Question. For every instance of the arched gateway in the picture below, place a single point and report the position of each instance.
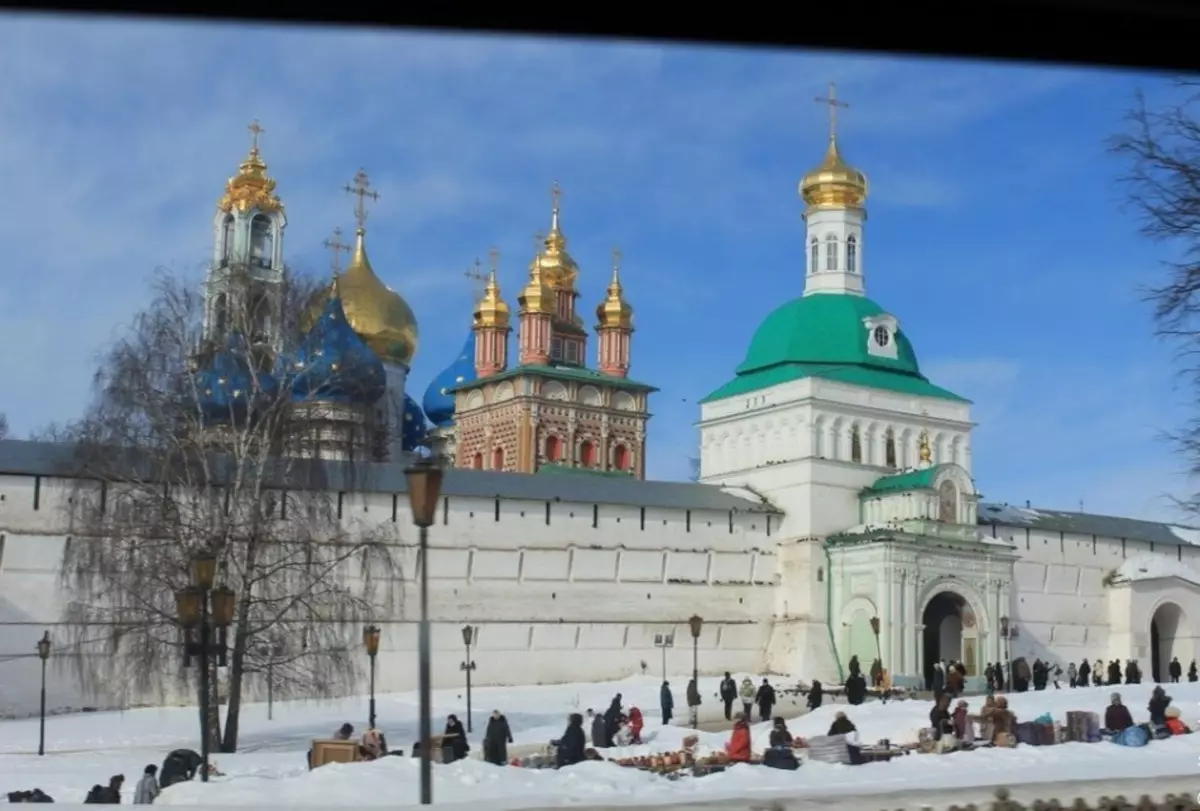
(1170, 637)
(951, 633)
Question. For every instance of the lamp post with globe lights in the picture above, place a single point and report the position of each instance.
(696, 625)
(205, 615)
(43, 652)
(371, 643)
(469, 635)
(424, 485)
(878, 649)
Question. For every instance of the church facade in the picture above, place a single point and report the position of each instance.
(836, 513)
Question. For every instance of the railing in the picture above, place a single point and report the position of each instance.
(1172, 802)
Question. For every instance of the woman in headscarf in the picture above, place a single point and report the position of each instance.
(455, 741)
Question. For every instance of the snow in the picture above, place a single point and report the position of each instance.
(1189, 535)
(87, 748)
(1006, 514)
(1148, 567)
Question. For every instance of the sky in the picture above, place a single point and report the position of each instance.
(997, 234)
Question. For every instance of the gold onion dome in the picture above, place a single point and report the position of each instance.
(378, 314)
(492, 310)
(835, 183)
(537, 297)
(559, 268)
(615, 311)
(251, 187)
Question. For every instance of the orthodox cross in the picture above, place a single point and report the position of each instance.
(555, 195)
(360, 187)
(834, 103)
(337, 247)
(478, 278)
(255, 131)
(617, 258)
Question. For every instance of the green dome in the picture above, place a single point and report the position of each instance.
(824, 328)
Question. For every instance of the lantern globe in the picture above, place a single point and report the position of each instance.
(43, 647)
(371, 640)
(468, 634)
(696, 623)
(224, 606)
(875, 625)
(204, 570)
(187, 604)
(424, 487)
(1004, 626)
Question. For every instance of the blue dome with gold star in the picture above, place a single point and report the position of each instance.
(228, 384)
(333, 364)
(439, 400)
(414, 430)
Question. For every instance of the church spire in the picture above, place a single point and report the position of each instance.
(834, 194)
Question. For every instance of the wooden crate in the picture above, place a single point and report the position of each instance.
(333, 751)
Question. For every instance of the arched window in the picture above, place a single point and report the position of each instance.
(948, 502)
(498, 459)
(831, 252)
(553, 448)
(477, 462)
(889, 452)
(855, 445)
(587, 454)
(851, 254)
(814, 256)
(621, 458)
(227, 237)
(261, 242)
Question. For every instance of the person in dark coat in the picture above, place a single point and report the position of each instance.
(765, 700)
(1085, 671)
(1159, 701)
(693, 699)
(455, 744)
(939, 718)
(496, 739)
(1175, 669)
(666, 702)
(856, 689)
(111, 794)
(1117, 717)
(729, 693)
(1114, 672)
(179, 766)
(854, 666)
(597, 729)
(1193, 675)
(573, 743)
(612, 720)
(816, 695)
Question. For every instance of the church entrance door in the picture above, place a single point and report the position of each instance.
(944, 619)
(1170, 637)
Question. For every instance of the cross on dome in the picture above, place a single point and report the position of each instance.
(337, 247)
(360, 187)
(834, 103)
(255, 131)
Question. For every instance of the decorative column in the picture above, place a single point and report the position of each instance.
(920, 649)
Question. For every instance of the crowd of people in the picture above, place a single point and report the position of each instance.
(1041, 675)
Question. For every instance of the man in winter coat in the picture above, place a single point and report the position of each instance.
(1175, 669)
(147, 788)
(729, 692)
(765, 699)
(496, 739)
(597, 728)
(612, 720)
(747, 694)
(1192, 673)
(111, 794)
(666, 702)
(1072, 674)
(1085, 673)
(856, 689)
(693, 700)
(571, 746)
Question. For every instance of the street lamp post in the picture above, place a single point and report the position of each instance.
(271, 652)
(467, 666)
(205, 633)
(43, 652)
(1005, 634)
(878, 650)
(662, 642)
(424, 485)
(696, 624)
(371, 642)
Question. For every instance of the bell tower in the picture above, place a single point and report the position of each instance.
(244, 289)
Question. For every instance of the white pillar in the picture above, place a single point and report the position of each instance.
(920, 649)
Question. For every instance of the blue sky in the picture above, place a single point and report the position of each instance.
(996, 232)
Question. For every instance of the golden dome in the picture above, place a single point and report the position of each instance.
(835, 183)
(380, 316)
(615, 311)
(251, 187)
(537, 297)
(558, 267)
(491, 310)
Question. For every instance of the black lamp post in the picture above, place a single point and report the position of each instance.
(696, 624)
(878, 650)
(1005, 634)
(424, 486)
(467, 666)
(371, 642)
(205, 632)
(43, 652)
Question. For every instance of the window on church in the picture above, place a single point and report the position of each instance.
(948, 502)
(498, 459)
(259, 316)
(587, 454)
(261, 242)
(553, 448)
(855, 445)
(851, 254)
(477, 462)
(227, 237)
(621, 457)
(556, 349)
(219, 315)
(890, 449)
(814, 258)
(831, 252)
(572, 352)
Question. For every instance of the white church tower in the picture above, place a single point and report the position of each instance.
(247, 274)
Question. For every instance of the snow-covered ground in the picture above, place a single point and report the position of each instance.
(87, 748)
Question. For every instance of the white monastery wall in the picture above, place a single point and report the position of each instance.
(559, 591)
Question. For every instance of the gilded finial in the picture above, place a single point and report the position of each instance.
(492, 311)
(926, 453)
(834, 183)
(555, 241)
(834, 103)
(616, 259)
(360, 187)
(615, 311)
(255, 131)
(337, 248)
(251, 187)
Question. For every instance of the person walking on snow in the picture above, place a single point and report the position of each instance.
(747, 694)
(765, 699)
(597, 728)
(693, 700)
(729, 692)
(1175, 669)
(666, 702)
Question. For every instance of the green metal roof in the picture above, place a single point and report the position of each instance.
(560, 470)
(575, 374)
(902, 482)
(824, 336)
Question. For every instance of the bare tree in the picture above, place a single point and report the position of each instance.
(202, 439)
(1161, 149)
